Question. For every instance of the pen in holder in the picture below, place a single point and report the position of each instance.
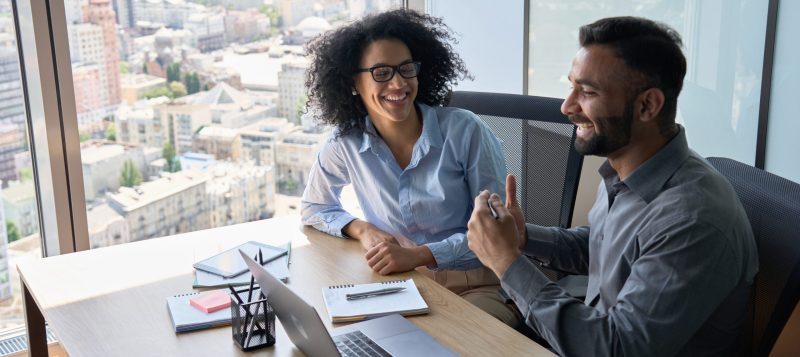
(253, 321)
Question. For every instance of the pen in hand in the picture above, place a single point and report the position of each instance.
(491, 208)
(367, 294)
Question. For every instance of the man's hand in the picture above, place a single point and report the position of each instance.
(368, 234)
(386, 258)
(513, 207)
(494, 241)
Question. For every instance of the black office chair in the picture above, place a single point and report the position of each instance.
(538, 143)
(773, 208)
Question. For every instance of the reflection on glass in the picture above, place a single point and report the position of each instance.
(723, 44)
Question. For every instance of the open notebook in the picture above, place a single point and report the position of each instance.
(407, 302)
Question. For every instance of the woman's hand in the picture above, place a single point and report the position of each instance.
(368, 234)
(386, 258)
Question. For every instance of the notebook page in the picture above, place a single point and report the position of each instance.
(408, 300)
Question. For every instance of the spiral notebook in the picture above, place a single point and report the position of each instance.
(406, 302)
(186, 317)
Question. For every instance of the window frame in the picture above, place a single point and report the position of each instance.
(52, 122)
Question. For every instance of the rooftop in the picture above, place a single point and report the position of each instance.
(100, 216)
(20, 191)
(129, 199)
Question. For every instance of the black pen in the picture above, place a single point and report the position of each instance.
(235, 294)
(253, 278)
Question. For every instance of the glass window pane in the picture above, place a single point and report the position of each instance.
(490, 34)
(19, 213)
(782, 149)
(723, 44)
(190, 111)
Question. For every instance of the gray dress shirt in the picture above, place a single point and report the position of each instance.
(670, 257)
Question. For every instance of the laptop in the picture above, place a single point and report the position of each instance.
(391, 335)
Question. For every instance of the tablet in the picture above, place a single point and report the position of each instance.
(229, 263)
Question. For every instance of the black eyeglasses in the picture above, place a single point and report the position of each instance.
(385, 73)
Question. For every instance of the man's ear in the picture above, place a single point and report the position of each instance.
(651, 101)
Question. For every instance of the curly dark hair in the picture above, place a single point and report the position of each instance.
(336, 54)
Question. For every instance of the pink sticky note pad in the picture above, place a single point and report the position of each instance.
(211, 301)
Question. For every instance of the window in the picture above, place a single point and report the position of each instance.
(781, 150)
(19, 211)
(723, 44)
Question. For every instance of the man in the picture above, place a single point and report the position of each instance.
(669, 251)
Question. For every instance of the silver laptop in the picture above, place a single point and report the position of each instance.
(391, 335)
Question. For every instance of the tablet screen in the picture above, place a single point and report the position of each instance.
(229, 263)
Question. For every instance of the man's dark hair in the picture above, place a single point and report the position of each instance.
(651, 49)
(336, 55)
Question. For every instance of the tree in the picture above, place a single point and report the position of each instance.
(129, 176)
(192, 82)
(111, 132)
(84, 136)
(177, 89)
(291, 184)
(123, 67)
(158, 92)
(300, 106)
(173, 163)
(26, 173)
(144, 68)
(173, 72)
(275, 19)
(12, 231)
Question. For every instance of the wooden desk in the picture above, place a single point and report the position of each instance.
(112, 301)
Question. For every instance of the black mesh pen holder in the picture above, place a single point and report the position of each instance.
(253, 320)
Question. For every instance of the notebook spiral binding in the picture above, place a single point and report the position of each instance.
(341, 286)
(344, 286)
(187, 294)
(392, 282)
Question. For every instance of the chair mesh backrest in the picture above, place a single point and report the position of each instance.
(773, 208)
(538, 144)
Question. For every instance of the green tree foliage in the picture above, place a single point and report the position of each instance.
(129, 176)
(172, 91)
(111, 132)
(26, 173)
(291, 184)
(177, 89)
(173, 72)
(162, 91)
(192, 82)
(144, 68)
(275, 19)
(300, 106)
(84, 136)
(12, 231)
(173, 163)
(123, 67)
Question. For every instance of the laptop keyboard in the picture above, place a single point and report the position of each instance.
(357, 344)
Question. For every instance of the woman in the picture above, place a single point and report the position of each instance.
(415, 165)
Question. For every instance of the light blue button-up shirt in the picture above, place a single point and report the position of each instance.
(427, 203)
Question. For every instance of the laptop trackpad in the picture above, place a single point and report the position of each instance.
(413, 343)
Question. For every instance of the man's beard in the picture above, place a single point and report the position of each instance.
(615, 132)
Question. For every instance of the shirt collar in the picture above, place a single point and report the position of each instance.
(648, 179)
(431, 132)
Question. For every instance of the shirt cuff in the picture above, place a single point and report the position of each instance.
(523, 281)
(541, 242)
(441, 254)
(335, 227)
